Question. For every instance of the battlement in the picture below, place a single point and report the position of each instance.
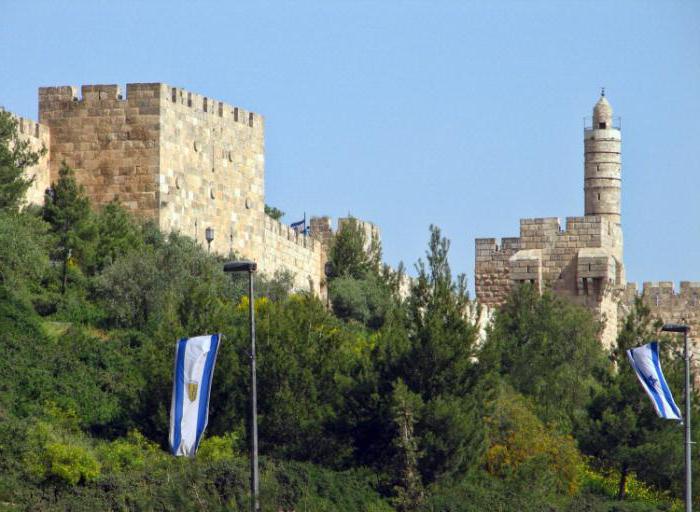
(488, 248)
(207, 105)
(32, 128)
(688, 289)
(283, 230)
(53, 96)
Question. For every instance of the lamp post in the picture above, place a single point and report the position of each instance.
(688, 440)
(209, 235)
(251, 267)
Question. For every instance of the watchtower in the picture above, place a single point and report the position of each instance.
(603, 167)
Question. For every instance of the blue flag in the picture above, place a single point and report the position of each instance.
(299, 227)
(645, 362)
(189, 412)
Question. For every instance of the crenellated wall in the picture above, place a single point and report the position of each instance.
(39, 138)
(667, 304)
(579, 262)
(188, 161)
(492, 273)
(112, 143)
(285, 248)
(212, 171)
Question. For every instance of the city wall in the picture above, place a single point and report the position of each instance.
(579, 262)
(188, 161)
(38, 136)
(664, 302)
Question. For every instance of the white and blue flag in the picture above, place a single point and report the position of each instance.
(645, 362)
(189, 412)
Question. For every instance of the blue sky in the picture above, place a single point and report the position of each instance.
(467, 115)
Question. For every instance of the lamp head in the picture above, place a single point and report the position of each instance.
(675, 328)
(240, 266)
(209, 234)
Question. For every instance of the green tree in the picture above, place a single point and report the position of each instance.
(24, 251)
(16, 156)
(273, 212)
(547, 349)
(67, 210)
(408, 490)
(443, 340)
(117, 234)
(351, 254)
(621, 429)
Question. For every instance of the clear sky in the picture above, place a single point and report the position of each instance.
(467, 115)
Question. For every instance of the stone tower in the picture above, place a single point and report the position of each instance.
(602, 170)
(603, 175)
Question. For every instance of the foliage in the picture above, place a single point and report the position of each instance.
(67, 210)
(517, 438)
(273, 212)
(351, 254)
(16, 156)
(621, 429)
(23, 251)
(547, 349)
(365, 300)
(377, 404)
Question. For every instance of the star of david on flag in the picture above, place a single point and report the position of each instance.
(646, 365)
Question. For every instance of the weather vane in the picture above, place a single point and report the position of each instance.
(602, 91)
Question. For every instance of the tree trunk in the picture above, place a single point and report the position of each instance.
(622, 486)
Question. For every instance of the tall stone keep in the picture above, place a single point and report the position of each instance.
(581, 260)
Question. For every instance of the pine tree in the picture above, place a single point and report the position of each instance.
(67, 210)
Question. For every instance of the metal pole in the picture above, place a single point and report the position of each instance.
(688, 439)
(254, 475)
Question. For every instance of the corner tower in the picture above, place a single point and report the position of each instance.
(603, 167)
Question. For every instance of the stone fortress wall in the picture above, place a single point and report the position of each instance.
(584, 261)
(573, 262)
(187, 161)
(682, 306)
(38, 136)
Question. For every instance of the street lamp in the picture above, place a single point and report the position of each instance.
(688, 441)
(251, 267)
(209, 235)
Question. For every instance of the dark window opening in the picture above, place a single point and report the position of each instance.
(602, 126)
(598, 196)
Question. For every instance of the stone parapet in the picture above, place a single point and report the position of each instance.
(39, 138)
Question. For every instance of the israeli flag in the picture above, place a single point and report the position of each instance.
(189, 412)
(645, 362)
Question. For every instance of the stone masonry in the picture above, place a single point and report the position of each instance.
(582, 261)
(39, 139)
(187, 161)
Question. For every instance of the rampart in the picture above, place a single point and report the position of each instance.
(547, 255)
(194, 164)
(38, 137)
(284, 249)
(664, 302)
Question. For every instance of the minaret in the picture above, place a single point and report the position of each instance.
(603, 169)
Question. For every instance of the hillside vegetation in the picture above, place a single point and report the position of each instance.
(376, 404)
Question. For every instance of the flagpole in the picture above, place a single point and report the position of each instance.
(688, 438)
